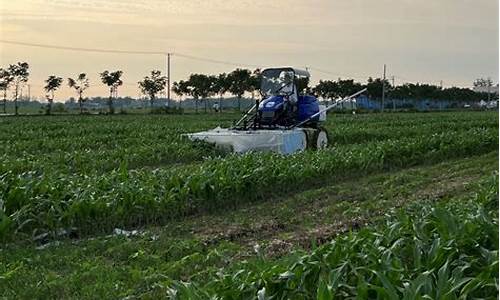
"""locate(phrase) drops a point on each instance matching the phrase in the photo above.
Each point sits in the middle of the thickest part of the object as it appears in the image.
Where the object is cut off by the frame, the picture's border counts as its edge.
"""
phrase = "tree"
(5, 81)
(481, 82)
(212, 88)
(153, 85)
(80, 85)
(180, 88)
(374, 87)
(240, 83)
(486, 84)
(19, 73)
(199, 87)
(347, 87)
(254, 82)
(113, 81)
(220, 86)
(52, 84)
(327, 89)
(402, 92)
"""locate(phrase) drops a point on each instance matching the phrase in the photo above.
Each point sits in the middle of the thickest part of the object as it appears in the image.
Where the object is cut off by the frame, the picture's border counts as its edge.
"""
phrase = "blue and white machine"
(286, 120)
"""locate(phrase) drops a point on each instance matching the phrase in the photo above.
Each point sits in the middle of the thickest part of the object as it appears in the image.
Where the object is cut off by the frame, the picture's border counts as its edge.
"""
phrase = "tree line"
(15, 76)
(201, 87)
(329, 90)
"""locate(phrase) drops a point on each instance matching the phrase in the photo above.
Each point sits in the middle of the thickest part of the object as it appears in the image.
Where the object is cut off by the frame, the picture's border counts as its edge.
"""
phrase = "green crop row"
(428, 251)
(90, 144)
(408, 119)
(35, 202)
(351, 133)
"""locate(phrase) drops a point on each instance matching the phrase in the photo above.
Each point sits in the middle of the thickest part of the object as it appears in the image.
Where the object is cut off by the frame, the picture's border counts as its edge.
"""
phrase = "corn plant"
(434, 251)
(38, 202)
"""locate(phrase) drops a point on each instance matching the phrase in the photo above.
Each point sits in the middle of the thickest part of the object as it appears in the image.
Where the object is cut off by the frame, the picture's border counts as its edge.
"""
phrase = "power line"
(166, 53)
(82, 49)
(435, 82)
(187, 56)
(217, 61)
(101, 50)
(335, 74)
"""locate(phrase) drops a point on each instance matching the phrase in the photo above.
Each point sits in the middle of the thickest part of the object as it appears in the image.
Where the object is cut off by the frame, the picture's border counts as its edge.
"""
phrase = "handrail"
(245, 115)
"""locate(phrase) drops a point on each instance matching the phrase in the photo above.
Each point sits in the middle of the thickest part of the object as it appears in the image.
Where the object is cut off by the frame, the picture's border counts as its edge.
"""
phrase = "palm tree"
(113, 81)
(19, 73)
(80, 85)
(5, 81)
(52, 84)
(153, 85)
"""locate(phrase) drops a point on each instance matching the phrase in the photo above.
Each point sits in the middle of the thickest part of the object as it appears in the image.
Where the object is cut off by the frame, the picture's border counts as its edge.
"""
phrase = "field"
(399, 206)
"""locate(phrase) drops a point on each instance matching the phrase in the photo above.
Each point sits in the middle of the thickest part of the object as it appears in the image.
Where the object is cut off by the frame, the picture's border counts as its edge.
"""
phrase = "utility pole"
(29, 92)
(168, 79)
(441, 101)
(383, 91)
(490, 83)
(393, 100)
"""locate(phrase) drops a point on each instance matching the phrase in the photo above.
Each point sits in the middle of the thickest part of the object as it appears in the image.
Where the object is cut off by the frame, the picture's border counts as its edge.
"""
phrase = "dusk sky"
(420, 40)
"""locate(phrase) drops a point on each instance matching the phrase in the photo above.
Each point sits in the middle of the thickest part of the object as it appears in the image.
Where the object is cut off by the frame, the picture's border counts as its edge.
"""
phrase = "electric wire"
(186, 56)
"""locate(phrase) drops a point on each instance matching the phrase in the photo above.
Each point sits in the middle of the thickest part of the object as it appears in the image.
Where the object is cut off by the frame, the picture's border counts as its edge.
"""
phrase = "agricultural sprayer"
(286, 120)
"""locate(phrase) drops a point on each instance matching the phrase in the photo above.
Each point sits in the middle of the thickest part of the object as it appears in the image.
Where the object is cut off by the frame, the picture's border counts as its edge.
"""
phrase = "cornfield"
(89, 183)
(81, 177)
(444, 251)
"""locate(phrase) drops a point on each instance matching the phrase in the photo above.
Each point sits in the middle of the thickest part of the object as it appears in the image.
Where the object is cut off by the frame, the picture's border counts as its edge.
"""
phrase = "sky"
(453, 41)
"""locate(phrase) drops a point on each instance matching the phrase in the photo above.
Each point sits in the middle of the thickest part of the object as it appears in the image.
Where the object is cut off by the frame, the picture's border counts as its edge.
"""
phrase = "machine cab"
(284, 82)
(284, 100)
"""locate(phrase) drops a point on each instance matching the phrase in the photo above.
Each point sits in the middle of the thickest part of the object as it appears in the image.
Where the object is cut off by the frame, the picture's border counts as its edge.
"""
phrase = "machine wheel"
(321, 139)
(316, 138)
